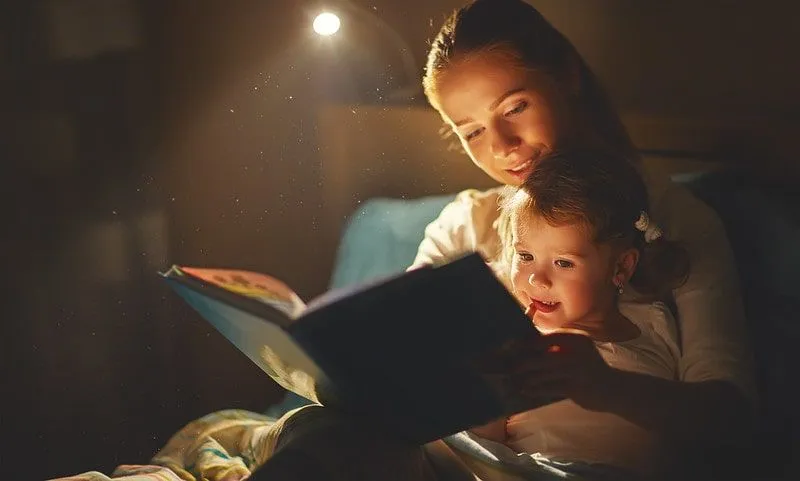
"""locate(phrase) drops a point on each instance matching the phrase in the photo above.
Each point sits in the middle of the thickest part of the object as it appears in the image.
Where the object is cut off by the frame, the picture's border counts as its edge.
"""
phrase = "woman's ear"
(625, 266)
(574, 75)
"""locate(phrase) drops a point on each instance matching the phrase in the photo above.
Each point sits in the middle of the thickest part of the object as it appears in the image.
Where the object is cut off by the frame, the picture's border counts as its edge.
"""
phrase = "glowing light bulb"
(326, 23)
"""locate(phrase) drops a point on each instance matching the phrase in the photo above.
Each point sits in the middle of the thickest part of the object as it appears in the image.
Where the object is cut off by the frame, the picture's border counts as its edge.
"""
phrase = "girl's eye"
(519, 107)
(564, 264)
(525, 257)
(473, 134)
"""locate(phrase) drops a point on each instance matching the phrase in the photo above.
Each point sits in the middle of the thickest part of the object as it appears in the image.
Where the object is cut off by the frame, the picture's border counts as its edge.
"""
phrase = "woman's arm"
(713, 331)
(690, 416)
(713, 409)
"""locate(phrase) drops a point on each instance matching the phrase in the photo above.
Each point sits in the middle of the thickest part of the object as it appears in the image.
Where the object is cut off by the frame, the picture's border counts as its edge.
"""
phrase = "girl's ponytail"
(663, 266)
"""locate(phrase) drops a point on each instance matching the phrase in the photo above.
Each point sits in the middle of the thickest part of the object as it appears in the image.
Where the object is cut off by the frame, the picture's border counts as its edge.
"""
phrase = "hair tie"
(650, 229)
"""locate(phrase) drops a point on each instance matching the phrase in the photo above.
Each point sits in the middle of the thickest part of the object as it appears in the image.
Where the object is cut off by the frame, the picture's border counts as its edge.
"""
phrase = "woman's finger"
(561, 339)
(544, 392)
(538, 375)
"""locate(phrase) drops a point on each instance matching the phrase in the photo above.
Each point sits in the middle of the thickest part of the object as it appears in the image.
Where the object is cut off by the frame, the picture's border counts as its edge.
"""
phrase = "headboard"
(370, 151)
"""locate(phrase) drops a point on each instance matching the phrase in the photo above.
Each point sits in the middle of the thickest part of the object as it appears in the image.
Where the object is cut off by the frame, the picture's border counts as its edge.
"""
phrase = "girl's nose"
(539, 278)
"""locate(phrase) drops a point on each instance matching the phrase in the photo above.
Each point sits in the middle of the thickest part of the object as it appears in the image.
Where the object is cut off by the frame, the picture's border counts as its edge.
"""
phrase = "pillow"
(381, 238)
(763, 229)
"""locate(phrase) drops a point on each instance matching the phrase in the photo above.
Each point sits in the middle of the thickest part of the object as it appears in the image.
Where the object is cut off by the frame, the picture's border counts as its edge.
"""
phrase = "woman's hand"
(563, 365)
(552, 366)
(493, 431)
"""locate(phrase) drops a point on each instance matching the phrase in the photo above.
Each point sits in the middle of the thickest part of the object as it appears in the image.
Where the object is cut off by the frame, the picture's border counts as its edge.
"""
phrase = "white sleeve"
(464, 225)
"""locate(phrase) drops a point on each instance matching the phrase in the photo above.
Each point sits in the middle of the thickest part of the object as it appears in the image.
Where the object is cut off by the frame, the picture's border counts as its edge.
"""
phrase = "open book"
(399, 352)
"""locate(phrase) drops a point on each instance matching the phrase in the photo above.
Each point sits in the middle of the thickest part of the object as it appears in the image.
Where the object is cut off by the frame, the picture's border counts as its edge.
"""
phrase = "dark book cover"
(399, 352)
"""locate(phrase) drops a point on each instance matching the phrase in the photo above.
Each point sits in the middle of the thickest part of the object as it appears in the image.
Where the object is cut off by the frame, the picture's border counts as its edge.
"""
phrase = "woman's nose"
(504, 142)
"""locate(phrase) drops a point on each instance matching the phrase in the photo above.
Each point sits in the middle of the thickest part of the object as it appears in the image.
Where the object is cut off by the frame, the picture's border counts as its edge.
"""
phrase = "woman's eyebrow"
(505, 96)
(493, 105)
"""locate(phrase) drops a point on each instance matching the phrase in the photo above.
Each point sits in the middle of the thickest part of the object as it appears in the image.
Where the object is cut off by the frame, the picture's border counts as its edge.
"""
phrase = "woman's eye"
(471, 135)
(564, 264)
(518, 108)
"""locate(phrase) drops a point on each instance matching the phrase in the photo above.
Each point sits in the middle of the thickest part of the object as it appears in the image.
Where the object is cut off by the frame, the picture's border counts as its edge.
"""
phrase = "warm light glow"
(326, 23)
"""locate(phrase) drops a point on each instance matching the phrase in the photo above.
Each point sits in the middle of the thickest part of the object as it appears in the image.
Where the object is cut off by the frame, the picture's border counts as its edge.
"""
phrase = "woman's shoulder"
(475, 200)
(682, 215)
(466, 224)
(473, 209)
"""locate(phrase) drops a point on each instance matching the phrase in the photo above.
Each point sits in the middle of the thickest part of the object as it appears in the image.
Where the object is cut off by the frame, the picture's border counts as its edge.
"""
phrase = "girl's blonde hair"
(604, 195)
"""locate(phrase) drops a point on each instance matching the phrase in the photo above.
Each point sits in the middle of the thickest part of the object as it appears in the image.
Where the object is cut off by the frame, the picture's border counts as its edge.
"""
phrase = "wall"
(192, 138)
(682, 56)
(245, 91)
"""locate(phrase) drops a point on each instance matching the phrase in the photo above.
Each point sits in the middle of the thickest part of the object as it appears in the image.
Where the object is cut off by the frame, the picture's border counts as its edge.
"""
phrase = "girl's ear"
(625, 266)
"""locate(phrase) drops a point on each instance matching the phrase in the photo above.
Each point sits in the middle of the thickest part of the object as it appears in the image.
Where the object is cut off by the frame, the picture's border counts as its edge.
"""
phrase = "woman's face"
(506, 117)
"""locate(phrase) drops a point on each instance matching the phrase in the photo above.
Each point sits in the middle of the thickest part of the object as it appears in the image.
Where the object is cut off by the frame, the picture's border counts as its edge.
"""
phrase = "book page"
(261, 287)
(267, 344)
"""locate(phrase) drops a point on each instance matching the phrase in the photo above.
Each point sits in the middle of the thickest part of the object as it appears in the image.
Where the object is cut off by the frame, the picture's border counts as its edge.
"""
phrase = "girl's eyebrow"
(493, 105)
(577, 255)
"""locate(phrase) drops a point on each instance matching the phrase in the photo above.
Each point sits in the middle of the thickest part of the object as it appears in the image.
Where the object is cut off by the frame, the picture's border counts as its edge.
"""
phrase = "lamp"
(350, 18)
(326, 23)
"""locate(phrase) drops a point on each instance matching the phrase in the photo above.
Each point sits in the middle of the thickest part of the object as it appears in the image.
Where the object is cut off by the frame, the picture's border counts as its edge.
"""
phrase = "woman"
(514, 89)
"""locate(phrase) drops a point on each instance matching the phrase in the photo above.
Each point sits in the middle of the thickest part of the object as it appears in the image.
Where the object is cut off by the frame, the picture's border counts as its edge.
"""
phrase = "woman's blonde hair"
(519, 31)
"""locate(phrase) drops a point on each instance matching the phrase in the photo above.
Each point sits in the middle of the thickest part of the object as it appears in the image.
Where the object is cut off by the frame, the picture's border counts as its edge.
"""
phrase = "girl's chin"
(544, 326)
(561, 330)
(547, 325)
(545, 329)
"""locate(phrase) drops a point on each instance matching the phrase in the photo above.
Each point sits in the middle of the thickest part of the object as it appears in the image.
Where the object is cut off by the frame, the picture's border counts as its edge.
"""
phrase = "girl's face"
(560, 274)
(505, 116)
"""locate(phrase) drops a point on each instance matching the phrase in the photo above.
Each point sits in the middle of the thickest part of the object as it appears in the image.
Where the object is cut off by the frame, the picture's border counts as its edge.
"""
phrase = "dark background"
(140, 133)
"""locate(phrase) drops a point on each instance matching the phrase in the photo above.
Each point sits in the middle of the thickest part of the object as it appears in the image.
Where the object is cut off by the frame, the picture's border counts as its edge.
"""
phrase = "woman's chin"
(503, 177)
(516, 179)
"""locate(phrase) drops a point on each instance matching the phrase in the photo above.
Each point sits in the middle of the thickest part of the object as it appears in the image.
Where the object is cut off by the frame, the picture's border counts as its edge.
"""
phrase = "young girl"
(577, 236)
